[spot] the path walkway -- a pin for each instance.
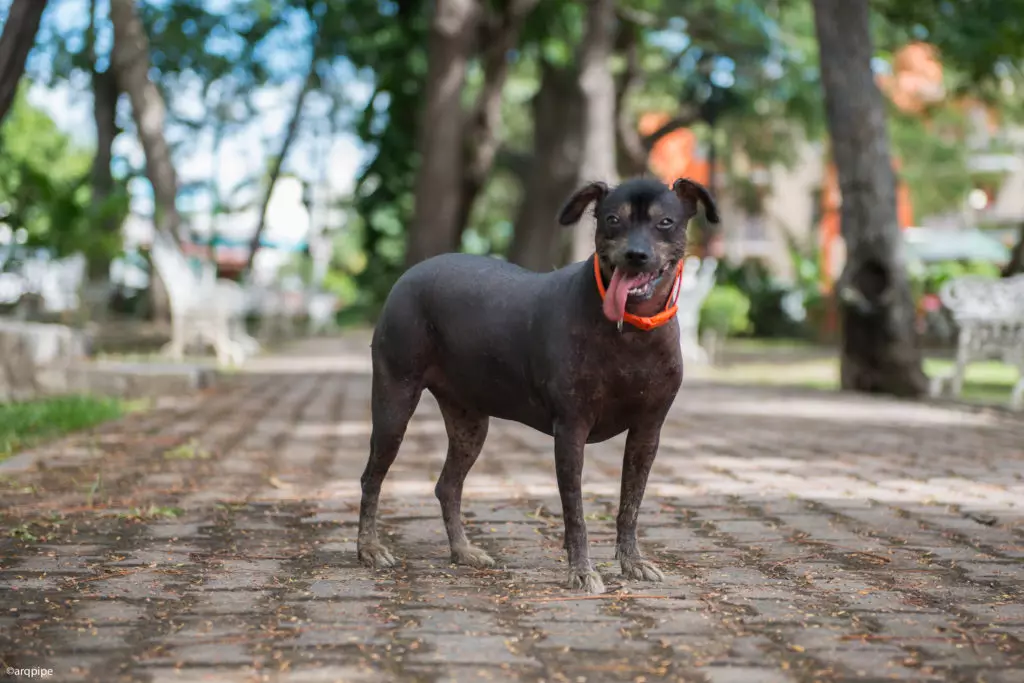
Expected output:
(806, 536)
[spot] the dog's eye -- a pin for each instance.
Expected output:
(666, 223)
(612, 219)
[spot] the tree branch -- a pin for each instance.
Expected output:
(499, 34)
(19, 35)
(632, 150)
(634, 147)
(275, 172)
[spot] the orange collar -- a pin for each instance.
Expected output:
(647, 324)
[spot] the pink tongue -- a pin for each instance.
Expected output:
(615, 296)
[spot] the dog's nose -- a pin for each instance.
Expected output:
(637, 258)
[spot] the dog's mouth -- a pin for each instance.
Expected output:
(628, 286)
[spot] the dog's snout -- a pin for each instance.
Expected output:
(638, 258)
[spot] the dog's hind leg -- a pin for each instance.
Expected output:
(393, 401)
(466, 434)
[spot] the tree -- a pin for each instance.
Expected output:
(308, 84)
(19, 35)
(438, 197)
(1015, 266)
(499, 35)
(105, 93)
(551, 172)
(44, 185)
(130, 62)
(982, 38)
(878, 350)
(597, 86)
(984, 41)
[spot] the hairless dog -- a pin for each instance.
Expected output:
(582, 354)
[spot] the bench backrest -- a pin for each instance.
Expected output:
(698, 281)
(179, 278)
(979, 299)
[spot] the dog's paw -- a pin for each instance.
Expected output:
(376, 556)
(472, 556)
(639, 569)
(587, 581)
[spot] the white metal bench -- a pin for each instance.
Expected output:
(55, 281)
(321, 308)
(203, 308)
(698, 281)
(990, 315)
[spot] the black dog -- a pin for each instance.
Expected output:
(490, 339)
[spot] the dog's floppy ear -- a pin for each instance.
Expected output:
(690, 192)
(578, 203)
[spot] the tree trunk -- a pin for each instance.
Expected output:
(16, 42)
(482, 141)
(709, 231)
(879, 352)
(538, 243)
(129, 61)
(442, 131)
(275, 171)
(105, 94)
(1015, 266)
(597, 85)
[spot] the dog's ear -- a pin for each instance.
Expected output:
(690, 192)
(578, 203)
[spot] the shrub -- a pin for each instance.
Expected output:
(726, 311)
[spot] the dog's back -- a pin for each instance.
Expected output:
(461, 326)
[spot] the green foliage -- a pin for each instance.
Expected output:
(982, 38)
(933, 276)
(933, 158)
(393, 47)
(22, 424)
(726, 310)
(755, 282)
(44, 186)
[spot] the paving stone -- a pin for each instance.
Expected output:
(731, 673)
(91, 639)
(486, 650)
(332, 674)
(109, 612)
(450, 621)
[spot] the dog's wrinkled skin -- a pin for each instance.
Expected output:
(490, 339)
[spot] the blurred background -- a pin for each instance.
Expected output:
(300, 154)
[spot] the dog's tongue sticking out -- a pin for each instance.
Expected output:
(617, 293)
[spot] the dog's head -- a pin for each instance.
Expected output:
(641, 228)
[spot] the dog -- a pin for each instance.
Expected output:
(581, 354)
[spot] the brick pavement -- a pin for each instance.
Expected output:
(804, 536)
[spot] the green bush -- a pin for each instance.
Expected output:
(726, 310)
(930, 278)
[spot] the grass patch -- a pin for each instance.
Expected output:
(27, 423)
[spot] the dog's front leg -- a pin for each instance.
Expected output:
(641, 448)
(570, 440)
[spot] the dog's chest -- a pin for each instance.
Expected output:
(620, 395)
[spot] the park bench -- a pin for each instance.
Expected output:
(698, 281)
(56, 283)
(203, 308)
(321, 309)
(990, 317)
